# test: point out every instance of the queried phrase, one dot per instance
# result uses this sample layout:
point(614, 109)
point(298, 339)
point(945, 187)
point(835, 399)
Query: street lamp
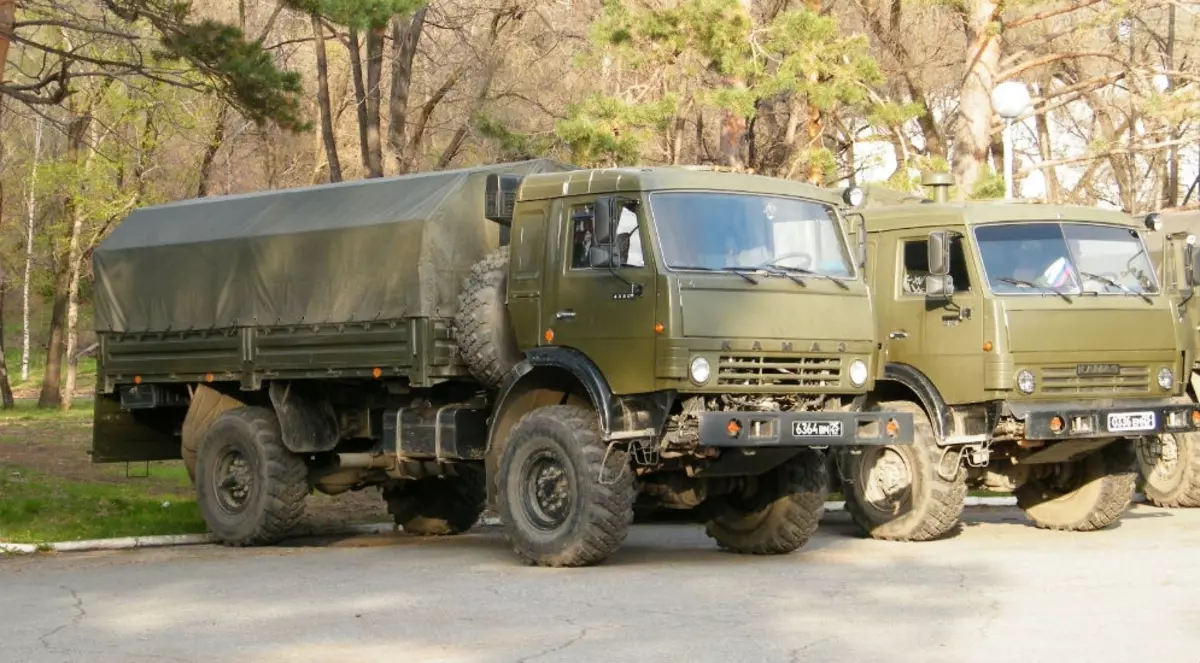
point(1009, 100)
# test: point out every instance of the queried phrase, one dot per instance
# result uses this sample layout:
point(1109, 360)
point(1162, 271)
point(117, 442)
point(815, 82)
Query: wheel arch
point(901, 382)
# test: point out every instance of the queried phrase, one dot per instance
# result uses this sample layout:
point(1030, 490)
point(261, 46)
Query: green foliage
point(607, 131)
point(990, 185)
point(361, 14)
point(514, 146)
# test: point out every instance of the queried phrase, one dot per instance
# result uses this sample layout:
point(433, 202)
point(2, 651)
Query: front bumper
point(805, 429)
point(1120, 421)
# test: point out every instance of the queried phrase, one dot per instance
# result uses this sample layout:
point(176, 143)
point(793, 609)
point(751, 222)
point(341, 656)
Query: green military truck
point(1170, 463)
point(549, 341)
point(1031, 343)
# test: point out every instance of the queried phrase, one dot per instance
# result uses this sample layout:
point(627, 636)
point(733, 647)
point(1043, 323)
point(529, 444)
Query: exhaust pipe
point(939, 184)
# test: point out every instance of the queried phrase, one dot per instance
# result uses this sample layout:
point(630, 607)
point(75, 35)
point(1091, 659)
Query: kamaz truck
point(1170, 463)
point(1031, 343)
point(548, 341)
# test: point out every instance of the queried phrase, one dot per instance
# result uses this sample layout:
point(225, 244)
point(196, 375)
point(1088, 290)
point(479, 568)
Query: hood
point(813, 313)
point(1078, 329)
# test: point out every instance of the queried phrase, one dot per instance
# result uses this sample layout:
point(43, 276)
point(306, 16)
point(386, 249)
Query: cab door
point(940, 336)
point(607, 313)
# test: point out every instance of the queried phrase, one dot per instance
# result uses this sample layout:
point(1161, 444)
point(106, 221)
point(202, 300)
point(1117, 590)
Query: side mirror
point(939, 253)
point(860, 239)
point(939, 286)
point(604, 211)
point(1191, 264)
point(500, 196)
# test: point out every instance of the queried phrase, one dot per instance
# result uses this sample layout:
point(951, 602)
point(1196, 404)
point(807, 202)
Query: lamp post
point(1009, 100)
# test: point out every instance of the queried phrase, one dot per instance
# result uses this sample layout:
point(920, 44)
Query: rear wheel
point(563, 500)
point(777, 512)
point(250, 488)
point(910, 492)
point(1170, 466)
point(436, 506)
point(1083, 495)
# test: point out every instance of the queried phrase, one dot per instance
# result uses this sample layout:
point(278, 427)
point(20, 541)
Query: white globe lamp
point(1009, 99)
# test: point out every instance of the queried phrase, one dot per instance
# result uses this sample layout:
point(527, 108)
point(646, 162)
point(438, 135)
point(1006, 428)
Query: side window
point(628, 239)
point(916, 266)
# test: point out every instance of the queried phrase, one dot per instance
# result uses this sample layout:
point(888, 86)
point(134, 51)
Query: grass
point(38, 508)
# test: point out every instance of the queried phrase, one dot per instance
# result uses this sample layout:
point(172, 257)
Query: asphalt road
point(998, 591)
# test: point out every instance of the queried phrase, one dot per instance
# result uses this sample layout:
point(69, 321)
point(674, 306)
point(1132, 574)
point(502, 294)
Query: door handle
point(899, 333)
point(565, 314)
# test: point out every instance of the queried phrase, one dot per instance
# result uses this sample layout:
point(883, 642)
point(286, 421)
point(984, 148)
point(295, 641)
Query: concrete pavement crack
point(557, 648)
point(80, 613)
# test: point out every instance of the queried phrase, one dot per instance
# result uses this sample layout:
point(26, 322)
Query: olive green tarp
point(374, 249)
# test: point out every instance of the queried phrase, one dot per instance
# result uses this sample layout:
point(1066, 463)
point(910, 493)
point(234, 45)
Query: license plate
point(1129, 421)
point(817, 428)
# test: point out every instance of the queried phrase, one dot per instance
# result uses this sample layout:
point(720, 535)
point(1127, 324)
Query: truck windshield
point(1065, 257)
point(739, 231)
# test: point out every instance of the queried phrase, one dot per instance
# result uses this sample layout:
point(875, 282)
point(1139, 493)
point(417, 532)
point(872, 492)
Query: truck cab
point(1034, 345)
point(553, 342)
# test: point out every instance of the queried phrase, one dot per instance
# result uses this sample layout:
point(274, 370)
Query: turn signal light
point(658, 328)
point(733, 428)
point(1196, 418)
point(376, 372)
point(549, 335)
point(892, 428)
point(987, 346)
point(1056, 424)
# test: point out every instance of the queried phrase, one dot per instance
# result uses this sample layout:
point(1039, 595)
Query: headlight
point(853, 196)
point(1025, 381)
point(1166, 379)
point(858, 372)
point(700, 370)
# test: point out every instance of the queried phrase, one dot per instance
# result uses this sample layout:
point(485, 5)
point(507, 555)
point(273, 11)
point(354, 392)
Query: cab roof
point(547, 185)
point(976, 213)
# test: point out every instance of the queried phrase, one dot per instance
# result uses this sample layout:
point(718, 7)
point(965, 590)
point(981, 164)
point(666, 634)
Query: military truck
point(1170, 463)
point(1031, 343)
point(545, 340)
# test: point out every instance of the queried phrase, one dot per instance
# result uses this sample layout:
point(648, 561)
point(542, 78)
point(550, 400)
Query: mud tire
point(277, 479)
point(438, 506)
point(781, 513)
point(1096, 498)
point(557, 451)
point(932, 505)
point(486, 340)
point(207, 404)
point(1171, 484)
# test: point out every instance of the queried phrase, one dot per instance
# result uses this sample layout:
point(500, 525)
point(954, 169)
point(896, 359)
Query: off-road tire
point(1099, 497)
point(486, 340)
point(1180, 488)
point(278, 479)
point(435, 506)
point(781, 513)
point(207, 404)
point(598, 512)
point(932, 506)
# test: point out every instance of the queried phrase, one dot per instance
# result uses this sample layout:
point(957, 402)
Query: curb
point(132, 542)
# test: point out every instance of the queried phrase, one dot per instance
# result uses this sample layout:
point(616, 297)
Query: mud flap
point(207, 404)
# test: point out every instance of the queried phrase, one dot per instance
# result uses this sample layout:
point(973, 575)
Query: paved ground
point(998, 591)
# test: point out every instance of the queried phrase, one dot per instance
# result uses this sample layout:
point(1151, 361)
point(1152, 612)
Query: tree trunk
point(8, 16)
point(31, 212)
point(210, 153)
point(1044, 144)
point(51, 396)
point(74, 260)
point(6, 393)
point(331, 153)
point(734, 126)
point(360, 94)
point(1171, 186)
point(406, 34)
point(973, 134)
point(374, 93)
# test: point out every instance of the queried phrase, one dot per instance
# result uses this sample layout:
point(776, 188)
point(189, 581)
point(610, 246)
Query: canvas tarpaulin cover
point(375, 249)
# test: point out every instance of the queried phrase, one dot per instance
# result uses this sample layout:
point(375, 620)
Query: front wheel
point(1083, 495)
point(250, 488)
point(563, 500)
point(777, 512)
point(1170, 466)
point(913, 492)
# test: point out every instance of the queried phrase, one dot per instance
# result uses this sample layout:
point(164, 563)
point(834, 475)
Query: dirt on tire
point(486, 341)
point(779, 518)
point(1101, 494)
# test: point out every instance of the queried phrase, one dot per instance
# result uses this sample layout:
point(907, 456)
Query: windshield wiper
point(1031, 284)
point(733, 270)
point(790, 271)
point(1107, 281)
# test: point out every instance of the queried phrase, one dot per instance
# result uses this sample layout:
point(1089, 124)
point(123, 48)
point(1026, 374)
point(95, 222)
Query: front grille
point(792, 373)
point(1065, 380)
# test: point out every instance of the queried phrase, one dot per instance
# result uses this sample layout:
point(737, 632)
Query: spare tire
point(486, 340)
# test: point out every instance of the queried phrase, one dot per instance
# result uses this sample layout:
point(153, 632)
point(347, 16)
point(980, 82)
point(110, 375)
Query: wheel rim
point(233, 481)
point(546, 491)
point(1159, 458)
point(888, 479)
